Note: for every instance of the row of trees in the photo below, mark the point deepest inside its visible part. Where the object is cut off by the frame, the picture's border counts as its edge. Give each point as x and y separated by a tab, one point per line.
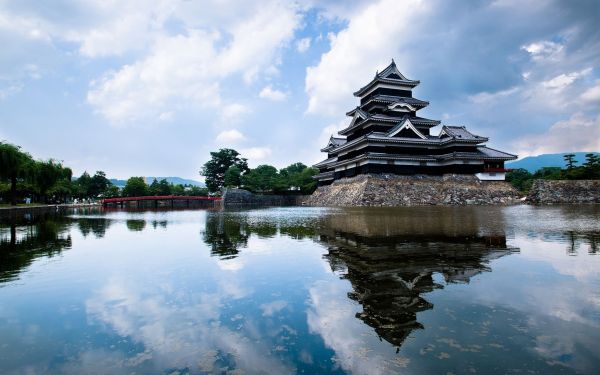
589	170
48	181
137	187
227	168
41	180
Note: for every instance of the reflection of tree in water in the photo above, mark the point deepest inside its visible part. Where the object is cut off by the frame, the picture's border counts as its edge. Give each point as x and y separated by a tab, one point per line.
225	234
136	225
97	226
22	241
159	223
576	239
390	268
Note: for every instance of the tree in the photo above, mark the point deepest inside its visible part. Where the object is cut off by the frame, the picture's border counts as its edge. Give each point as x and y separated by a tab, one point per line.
83	185
233	177
98	184
261	179
214	169
162	187
592	166
47	175
135	187
307	182
13	165
112	191
520	178
570	160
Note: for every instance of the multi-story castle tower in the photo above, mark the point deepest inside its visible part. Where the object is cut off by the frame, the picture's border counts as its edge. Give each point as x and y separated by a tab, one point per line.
385	135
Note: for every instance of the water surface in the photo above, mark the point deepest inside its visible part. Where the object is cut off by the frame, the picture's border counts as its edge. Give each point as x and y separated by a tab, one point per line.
302	290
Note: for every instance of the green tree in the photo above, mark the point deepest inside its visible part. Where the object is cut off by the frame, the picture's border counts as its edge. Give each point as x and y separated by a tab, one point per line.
261	179
307	182
214	169
592	166
520	178
570	160
177	189
48	173
162	187
197	191
98	184
233	177
112	191
135	187
83	185
13	165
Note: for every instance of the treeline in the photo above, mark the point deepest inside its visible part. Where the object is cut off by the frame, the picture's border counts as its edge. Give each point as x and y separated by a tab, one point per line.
24	179
137	187
227	168
590	170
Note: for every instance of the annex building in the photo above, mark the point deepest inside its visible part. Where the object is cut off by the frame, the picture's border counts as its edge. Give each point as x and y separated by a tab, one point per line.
385	135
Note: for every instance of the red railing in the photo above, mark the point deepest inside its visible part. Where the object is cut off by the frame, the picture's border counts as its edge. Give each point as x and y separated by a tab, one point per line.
160	198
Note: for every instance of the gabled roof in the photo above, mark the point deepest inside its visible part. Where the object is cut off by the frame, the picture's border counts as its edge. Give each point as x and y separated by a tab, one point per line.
359	111
390	75
404	125
460	132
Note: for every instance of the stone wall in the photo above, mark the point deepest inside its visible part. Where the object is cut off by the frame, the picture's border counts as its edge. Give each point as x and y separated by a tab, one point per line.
564	191
240	197
394	190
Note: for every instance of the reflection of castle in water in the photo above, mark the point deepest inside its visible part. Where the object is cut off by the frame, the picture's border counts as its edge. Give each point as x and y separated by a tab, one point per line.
391	265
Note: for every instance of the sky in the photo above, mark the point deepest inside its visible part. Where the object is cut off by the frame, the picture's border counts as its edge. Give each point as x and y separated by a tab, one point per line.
150	88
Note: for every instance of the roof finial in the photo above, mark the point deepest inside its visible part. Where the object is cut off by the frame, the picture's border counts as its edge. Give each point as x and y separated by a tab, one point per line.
393	62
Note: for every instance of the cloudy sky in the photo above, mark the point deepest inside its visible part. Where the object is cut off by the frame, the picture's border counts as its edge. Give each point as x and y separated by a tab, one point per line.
151	87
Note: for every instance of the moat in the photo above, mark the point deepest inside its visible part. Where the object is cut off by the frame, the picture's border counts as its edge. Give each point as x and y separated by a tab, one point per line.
416	290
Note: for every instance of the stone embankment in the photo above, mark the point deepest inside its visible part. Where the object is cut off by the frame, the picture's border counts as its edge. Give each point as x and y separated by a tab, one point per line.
240	197
392	190
564	191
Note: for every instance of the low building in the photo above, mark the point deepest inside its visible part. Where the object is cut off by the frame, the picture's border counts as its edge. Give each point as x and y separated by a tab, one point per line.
385	135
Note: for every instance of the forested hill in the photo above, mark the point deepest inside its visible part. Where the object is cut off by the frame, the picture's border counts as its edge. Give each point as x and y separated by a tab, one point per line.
171	180
533	163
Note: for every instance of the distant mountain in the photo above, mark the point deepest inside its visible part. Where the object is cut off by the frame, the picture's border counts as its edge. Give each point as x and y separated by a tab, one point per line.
533	163
172	180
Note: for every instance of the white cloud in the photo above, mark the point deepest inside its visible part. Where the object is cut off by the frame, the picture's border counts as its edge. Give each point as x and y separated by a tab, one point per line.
592	94
11	89
543	50
563	80
230	136
578	133
368	43
490	98
272	94
256	153
187	69
303	45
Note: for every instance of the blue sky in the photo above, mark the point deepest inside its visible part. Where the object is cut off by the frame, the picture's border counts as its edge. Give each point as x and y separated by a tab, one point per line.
151	87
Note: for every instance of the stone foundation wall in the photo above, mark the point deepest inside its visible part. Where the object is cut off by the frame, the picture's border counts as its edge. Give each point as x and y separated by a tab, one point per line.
395	190
240	197
564	191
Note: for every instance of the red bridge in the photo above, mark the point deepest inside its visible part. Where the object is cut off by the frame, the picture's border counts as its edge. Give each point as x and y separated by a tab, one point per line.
156	198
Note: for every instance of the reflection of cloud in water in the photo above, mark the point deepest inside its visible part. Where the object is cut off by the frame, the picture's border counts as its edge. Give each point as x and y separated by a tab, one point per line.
269	309
332	316
180	331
